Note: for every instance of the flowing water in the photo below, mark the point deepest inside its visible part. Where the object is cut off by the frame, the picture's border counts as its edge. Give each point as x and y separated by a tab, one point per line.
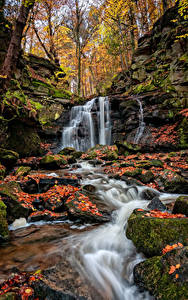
89	125
142	125
105	256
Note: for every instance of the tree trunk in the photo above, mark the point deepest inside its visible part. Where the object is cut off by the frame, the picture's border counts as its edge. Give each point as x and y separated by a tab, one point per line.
13	52
165	5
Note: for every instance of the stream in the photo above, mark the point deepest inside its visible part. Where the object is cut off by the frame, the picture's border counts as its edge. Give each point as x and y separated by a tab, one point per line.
102	255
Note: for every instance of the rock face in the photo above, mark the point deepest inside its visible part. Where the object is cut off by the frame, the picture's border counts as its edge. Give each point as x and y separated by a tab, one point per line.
156	276
157	81
150	235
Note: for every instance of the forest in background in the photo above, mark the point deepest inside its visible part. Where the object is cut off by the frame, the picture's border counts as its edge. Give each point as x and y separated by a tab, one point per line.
91	40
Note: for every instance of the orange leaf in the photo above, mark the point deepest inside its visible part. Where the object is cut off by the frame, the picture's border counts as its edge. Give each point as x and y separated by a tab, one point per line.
177	266
177	276
172	269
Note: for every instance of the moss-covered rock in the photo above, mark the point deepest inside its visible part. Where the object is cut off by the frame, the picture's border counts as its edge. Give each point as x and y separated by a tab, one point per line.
181	206
3	221
147	177
24	140
71	151
8	157
22	171
15	210
53	161
133	173
173	182
153	275
125	147
150	235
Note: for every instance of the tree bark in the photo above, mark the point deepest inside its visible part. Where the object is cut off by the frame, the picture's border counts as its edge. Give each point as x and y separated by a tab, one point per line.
165	5
13	52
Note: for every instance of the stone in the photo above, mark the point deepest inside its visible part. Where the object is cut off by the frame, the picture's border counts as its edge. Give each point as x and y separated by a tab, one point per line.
153	275
150	235
146	177
8	157
156	204
14	208
53	161
181	206
3	222
173	182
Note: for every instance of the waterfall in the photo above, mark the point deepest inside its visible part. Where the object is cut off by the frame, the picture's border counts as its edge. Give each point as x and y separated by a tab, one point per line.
141	126
89	125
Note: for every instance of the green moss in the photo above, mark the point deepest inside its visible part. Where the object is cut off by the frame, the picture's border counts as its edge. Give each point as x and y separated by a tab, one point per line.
23	171
24	140
144	87
153	275
53	161
3	221
183	134
2	171
151	235
147	177
133	173
181	205
60	93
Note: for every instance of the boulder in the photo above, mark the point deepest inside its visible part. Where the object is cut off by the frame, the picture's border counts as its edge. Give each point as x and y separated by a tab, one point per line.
172	182
156	204
181	206
53	161
8	157
151	234
3	222
15	210
155	276
81	208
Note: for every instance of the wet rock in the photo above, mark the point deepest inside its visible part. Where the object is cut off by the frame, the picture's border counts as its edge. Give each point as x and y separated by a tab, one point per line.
46	183
44	291
150	235
47	215
81	208
14	208
153	275
89	187
8	157
148	194
156	204
3	222
181	206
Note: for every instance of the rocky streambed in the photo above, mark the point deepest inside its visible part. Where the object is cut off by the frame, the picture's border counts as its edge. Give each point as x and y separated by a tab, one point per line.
94	226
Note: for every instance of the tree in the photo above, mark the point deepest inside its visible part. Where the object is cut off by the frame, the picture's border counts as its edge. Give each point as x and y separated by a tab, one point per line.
14	48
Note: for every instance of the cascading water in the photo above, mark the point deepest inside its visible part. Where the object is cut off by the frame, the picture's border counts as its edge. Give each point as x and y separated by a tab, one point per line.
105	256
141	126
89	125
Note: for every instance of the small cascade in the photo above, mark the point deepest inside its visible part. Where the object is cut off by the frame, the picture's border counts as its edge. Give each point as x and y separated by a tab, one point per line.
89	125
142	125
